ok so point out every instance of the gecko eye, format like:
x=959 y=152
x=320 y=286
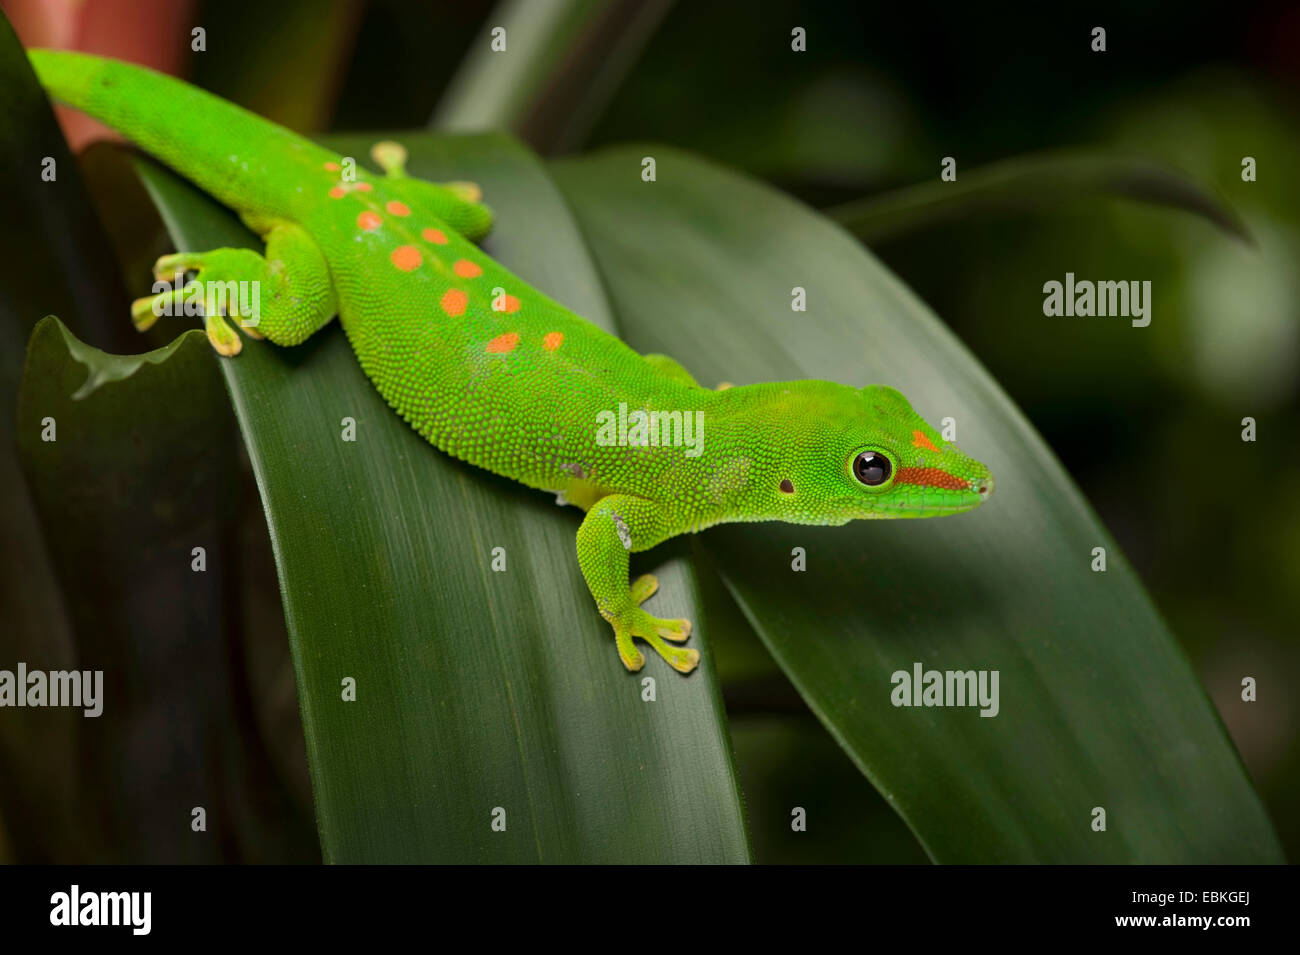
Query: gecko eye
x=872 y=468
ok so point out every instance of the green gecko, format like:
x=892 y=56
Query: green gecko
x=497 y=374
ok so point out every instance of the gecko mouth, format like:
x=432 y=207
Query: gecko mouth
x=936 y=509
x=935 y=479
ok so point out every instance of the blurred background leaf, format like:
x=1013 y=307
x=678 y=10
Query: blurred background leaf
x=1028 y=184
x=52 y=257
x=566 y=58
x=141 y=472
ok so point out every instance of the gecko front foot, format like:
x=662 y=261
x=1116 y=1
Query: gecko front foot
x=616 y=526
x=635 y=622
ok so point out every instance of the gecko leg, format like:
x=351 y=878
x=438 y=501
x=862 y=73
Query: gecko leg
x=616 y=526
x=459 y=204
x=285 y=295
x=670 y=367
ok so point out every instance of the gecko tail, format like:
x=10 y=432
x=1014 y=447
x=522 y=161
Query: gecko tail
x=178 y=123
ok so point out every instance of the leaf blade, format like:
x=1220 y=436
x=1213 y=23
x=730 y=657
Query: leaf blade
x=1033 y=184
x=701 y=265
x=476 y=690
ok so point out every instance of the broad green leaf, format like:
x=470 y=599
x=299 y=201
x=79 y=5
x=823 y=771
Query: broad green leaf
x=1098 y=705
x=133 y=464
x=1031 y=184
x=475 y=690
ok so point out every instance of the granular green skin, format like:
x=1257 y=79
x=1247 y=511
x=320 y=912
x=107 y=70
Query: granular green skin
x=493 y=372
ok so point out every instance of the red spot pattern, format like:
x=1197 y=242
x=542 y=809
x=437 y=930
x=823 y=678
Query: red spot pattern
x=504 y=343
x=406 y=257
x=454 y=302
x=919 y=440
x=931 y=477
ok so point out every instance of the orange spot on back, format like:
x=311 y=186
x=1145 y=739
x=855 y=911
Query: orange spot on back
x=553 y=340
x=506 y=303
x=332 y=166
x=338 y=192
x=467 y=269
x=406 y=257
x=398 y=208
x=363 y=187
x=504 y=343
x=368 y=220
x=436 y=236
x=919 y=440
x=454 y=302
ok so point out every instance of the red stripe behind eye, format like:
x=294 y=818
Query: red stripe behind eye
x=931 y=477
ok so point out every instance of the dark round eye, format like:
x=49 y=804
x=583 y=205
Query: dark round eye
x=872 y=468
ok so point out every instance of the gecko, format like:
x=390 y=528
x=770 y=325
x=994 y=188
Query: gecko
x=499 y=375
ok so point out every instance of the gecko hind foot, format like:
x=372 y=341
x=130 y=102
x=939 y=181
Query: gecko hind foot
x=215 y=275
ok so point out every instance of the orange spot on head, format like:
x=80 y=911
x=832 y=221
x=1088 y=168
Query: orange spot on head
x=467 y=269
x=338 y=192
x=553 y=340
x=368 y=220
x=363 y=187
x=919 y=440
x=406 y=257
x=397 y=208
x=506 y=303
x=454 y=302
x=504 y=343
x=436 y=236
x=332 y=166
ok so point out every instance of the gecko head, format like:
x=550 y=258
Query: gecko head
x=881 y=459
x=902 y=467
